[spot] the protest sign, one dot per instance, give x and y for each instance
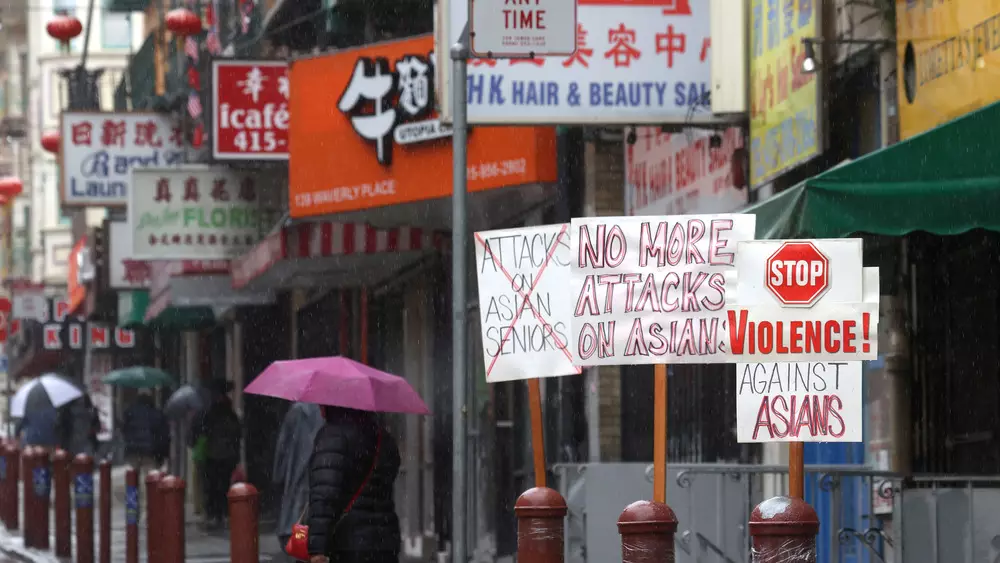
(794, 301)
(525, 304)
(651, 290)
(799, 402)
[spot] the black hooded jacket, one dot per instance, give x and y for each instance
(342, 457)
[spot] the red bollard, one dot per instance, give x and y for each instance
(4, 484)
(647, 529)
(243, 506)
(541, 514)
(783, 530)
(11, 509)
(172, 526)
(28, 517)
(83, 493)
(131, 516)
(36, 512)
(61, 494)
(154, 516)
(104, 512)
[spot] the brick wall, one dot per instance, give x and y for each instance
(605, 179)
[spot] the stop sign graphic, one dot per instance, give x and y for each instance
(798, 274)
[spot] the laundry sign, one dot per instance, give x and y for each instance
(799, 402)
(194, 212)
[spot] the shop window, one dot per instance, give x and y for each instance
(116, 30)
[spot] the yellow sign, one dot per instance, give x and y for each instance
(784, 118)
(949, 60)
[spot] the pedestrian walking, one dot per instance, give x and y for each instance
(146, 434)
(352, 474)
(291, 464)
(217, 435)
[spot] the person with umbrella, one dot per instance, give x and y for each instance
(146, 434)
(220, 432)
(36, 404)
(351, 514)
(291, 463)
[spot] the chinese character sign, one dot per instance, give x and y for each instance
(100, 150)
(194, 213)
(784, 101)
(681, 173)
(635, 62)
(251, 110)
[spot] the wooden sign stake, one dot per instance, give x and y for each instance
(660, 433)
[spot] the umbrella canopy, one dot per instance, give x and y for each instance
(186, 399)
(139, 377)
(45, 391)
(338, 382)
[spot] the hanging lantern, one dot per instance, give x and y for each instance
(3, 201)
(63, 28)
(183, 22)
(51, 141)
(10, 187)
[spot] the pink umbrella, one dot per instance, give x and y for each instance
(338, 382)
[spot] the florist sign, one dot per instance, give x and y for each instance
(100, 150)
(250, 108)
(194, 212)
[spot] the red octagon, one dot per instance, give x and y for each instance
(798, 274)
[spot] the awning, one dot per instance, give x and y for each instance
(331, 254)
(945, 181)
(191, 301)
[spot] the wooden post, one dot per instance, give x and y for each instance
(537, 430)
(796, 470)
(660, 433)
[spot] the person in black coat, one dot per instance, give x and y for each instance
(354, 458)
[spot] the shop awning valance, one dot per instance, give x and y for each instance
(944, 181)
(192, 301)
(331, 254)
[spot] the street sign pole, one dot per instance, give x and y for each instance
(459, 54)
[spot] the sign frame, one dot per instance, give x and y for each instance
(523, 53)
(218, 155)
(84, 203)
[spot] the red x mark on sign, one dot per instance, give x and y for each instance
(526, 299)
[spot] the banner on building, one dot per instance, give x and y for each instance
(194, 213)
(635, 62)
(124, 271)
(799, 402)
(786, 123)
(99, 151)
(802, 300)
(946, 53)
(401, 152)
(649, 290)
(525, 309)
(250, 110)
(681, 173)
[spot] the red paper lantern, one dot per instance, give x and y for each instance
(51, 141)
(64, 28)
(10, 187)
(183, 22)
(3, 201)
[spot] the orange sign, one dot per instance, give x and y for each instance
(364, 134)
(75, 284)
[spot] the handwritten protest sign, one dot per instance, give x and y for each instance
(799, 402)
(794, 301)
(652, 290)
(525, 303)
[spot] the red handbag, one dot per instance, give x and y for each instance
(298, 545)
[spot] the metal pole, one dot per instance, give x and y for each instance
(458, 301)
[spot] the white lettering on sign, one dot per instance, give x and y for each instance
(522, 28)
(799, 401)
(797, 272)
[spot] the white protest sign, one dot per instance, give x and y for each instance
(799, 402)
(800, 300)
(651, 290)
(525, 305)
(522, 28)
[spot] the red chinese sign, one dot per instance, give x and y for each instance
(250, 105)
